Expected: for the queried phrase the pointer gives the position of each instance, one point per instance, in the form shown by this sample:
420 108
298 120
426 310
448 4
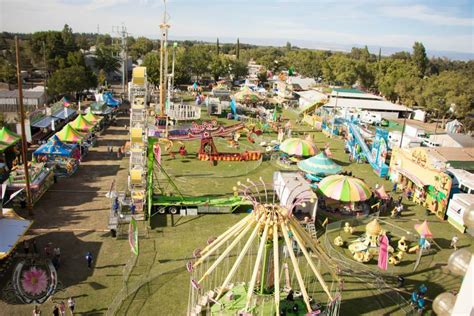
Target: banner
133 236
383 253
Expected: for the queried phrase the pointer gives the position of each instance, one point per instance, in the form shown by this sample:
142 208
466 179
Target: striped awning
417 181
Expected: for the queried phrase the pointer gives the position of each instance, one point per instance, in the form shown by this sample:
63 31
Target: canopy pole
24 144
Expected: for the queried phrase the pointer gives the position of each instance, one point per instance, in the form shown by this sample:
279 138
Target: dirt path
79 202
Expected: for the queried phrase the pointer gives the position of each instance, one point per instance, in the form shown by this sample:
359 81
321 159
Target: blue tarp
110 100
55 147
44 122
62 115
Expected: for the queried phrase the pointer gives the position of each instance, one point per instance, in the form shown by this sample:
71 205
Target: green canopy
7 139
319 165
81 124
70 135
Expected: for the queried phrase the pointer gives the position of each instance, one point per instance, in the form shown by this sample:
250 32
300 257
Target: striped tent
319 165
298 147
344 188
70 135
81 124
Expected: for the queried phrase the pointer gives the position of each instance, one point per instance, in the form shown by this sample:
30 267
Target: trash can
113 233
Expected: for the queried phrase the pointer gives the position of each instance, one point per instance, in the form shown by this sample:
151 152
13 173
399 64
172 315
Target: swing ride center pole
24 145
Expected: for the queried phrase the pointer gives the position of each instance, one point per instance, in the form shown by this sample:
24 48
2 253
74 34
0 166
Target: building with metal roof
386 109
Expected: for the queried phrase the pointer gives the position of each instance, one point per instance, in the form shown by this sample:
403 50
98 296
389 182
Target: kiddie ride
208 152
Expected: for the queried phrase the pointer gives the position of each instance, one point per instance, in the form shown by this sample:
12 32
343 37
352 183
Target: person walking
132 209
36 311
62 308
454 242
35 247
72 304
89 259
56 310
26 246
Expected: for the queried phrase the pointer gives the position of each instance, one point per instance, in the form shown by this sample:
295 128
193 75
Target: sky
440 25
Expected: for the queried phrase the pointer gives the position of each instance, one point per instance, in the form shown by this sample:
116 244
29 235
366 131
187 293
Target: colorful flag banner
133 236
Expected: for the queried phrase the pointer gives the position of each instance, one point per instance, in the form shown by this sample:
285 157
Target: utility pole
164 26
122 33
45 68
334 116
24 145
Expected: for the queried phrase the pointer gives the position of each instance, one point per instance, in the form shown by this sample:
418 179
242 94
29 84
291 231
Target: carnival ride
266 264
358 148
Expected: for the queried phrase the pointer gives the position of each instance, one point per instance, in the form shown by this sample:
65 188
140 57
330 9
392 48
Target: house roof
304 83
354 94
312 95
27 94
463 176
449 154
370 105
462 139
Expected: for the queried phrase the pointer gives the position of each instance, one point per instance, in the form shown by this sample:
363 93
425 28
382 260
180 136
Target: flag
383 253
133 235
66 103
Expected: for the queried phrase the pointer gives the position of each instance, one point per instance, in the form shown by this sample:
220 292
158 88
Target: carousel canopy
247 96
82 124
344 188
69 135
8 137
319 165
92 118
423 229
298 147
55 146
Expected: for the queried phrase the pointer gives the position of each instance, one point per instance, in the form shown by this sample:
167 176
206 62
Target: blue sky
440 25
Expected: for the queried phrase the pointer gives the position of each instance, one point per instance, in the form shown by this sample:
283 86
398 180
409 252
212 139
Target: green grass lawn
164 250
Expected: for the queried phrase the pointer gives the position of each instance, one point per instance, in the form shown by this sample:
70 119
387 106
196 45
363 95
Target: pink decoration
195 284
197 253
34 281
189 266
383 253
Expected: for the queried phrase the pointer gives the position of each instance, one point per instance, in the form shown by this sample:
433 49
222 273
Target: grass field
159 274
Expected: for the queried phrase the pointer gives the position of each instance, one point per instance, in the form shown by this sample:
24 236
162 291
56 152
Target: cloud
424 14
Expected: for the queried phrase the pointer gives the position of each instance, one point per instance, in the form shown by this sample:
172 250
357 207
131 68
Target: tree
419 58
288 46
152 63
390 73
68 38
106 60
71 80
140 47
401 55
219 66
239 69
101 77
217 46
199 56
7 72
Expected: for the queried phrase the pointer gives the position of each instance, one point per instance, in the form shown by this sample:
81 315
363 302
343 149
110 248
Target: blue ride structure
359 150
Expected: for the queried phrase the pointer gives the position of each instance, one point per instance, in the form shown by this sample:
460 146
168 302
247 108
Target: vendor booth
416 173
62 158
71 136
41 178
8 151
82 125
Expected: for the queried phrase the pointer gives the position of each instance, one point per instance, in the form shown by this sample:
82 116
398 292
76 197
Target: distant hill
331 46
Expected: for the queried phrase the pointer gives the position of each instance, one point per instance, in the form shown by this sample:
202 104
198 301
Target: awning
417 181
64 113
12 228
44 122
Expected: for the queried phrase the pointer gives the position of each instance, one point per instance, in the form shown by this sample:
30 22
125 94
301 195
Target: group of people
120 151
58 309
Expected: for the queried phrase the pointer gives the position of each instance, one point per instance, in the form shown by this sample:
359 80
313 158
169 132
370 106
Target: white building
372 103
459 204
291 186
33 99
254 70
304 83
310 97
